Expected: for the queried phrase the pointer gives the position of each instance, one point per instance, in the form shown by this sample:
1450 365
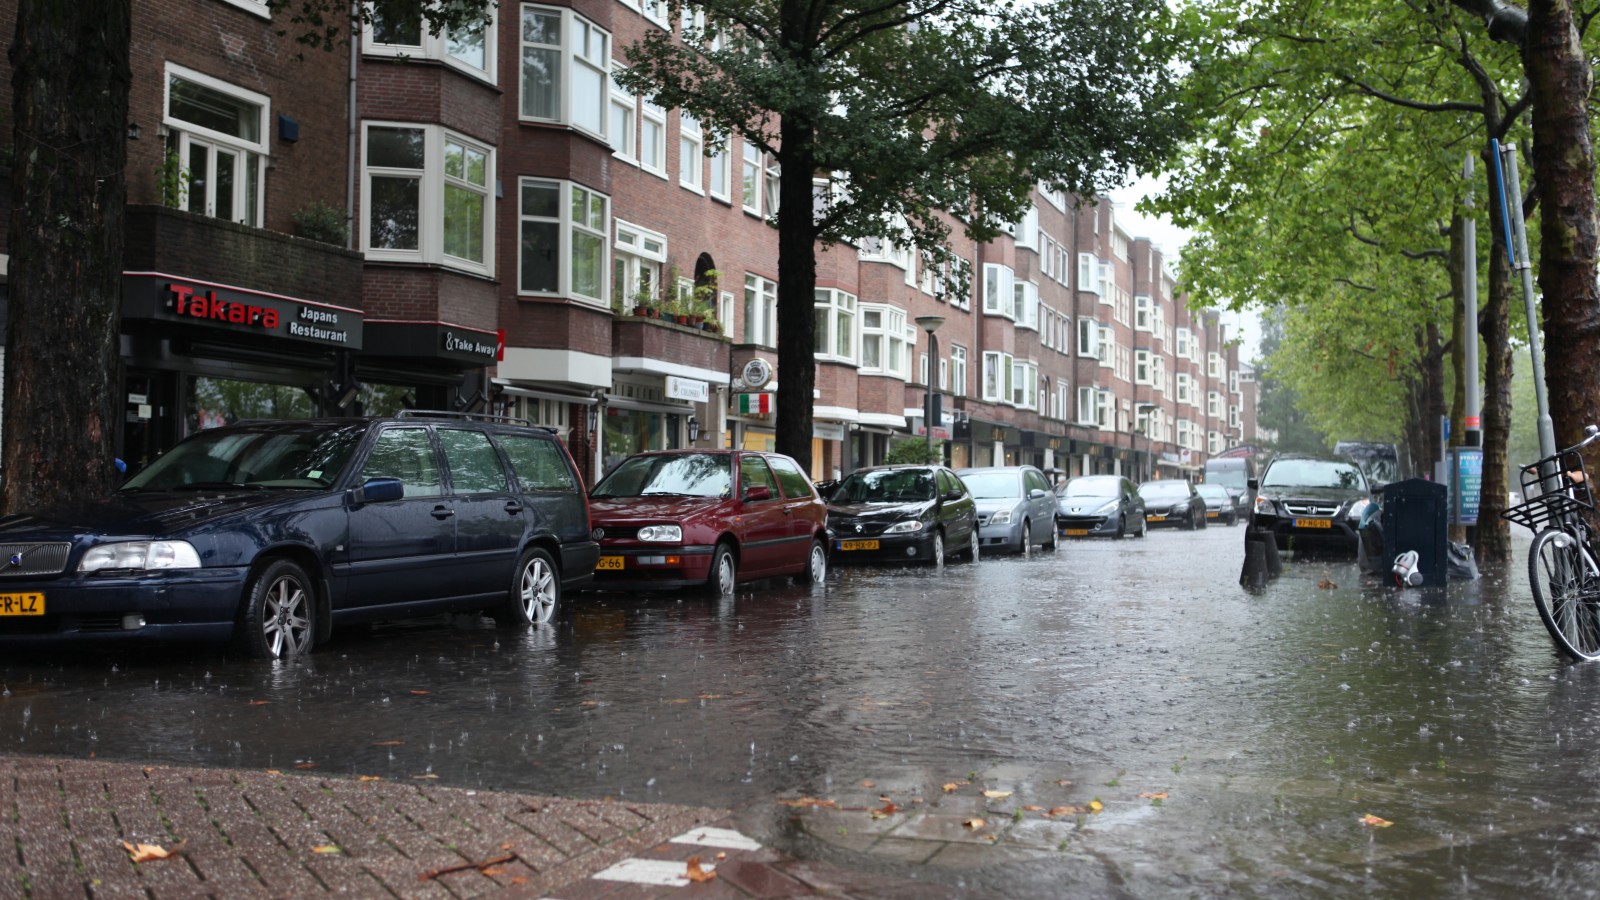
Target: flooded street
1259 728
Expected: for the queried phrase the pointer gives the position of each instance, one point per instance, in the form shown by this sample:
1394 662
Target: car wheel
972 546
535 591
724 572
816 565
1051 543
278 620
937 550
1144 526
1188 521
1027 540
1122 526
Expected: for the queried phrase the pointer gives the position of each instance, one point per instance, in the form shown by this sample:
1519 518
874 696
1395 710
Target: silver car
1016 509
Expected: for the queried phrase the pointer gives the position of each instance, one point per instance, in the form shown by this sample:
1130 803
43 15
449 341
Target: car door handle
513 507
443 512
788 512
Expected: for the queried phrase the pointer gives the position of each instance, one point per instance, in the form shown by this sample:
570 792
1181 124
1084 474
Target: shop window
566 61
216 145
474 465
426 198
214 402
468 49
563 242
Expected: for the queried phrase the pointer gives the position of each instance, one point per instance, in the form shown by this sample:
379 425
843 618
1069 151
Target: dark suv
273 532
1311 503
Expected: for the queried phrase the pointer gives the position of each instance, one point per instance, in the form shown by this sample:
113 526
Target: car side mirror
1036 494
759 492
951 496
1254 484
380 490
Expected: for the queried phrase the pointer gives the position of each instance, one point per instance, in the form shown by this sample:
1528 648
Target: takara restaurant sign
150 295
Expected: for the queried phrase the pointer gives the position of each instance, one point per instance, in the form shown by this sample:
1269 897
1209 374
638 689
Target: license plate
21 604
1076 532
858 545
1212 515
1156 518
613 563
1313 523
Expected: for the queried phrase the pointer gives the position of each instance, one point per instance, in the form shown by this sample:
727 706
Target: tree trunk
1563 168
1494 534
797 282
62 368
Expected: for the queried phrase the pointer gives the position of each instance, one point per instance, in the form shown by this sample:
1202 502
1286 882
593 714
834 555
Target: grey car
1016 509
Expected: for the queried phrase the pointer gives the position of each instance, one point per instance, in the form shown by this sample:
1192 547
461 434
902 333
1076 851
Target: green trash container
1416 516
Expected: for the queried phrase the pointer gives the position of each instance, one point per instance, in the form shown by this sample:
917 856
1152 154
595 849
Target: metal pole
1469 298
927 401
1519 260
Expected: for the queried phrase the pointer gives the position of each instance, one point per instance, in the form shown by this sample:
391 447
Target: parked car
1233 474
1093 505
1219 503
1015 507
902 514
1311 503
1173 501
274 532
708 518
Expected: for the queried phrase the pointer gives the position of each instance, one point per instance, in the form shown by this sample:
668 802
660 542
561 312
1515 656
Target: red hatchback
710 518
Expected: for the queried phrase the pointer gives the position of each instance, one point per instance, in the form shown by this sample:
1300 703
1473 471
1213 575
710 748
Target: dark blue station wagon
270 533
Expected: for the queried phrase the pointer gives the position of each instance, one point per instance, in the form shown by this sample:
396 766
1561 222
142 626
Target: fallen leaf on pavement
519 879
146 852
274 772
1153 795
1032 807
1095 806
697 874
326 848
869 784
305 765
388 743
492 871
997 795
428 775
953 786
974 824
370 778
888 810
1067 811
259 702
1374 821
1326 584
506 846
809 802
419 692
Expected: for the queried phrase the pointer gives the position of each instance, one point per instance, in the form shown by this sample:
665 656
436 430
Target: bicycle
1562 564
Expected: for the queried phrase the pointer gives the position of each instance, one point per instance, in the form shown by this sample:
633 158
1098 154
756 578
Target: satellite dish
756 373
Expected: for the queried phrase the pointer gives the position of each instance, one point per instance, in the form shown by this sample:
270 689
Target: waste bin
1416 516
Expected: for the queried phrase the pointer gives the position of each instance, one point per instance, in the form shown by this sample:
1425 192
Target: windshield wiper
218 486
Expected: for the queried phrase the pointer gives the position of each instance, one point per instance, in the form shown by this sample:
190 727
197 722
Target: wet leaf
888 810
274 772
697 874
1067 811
1153 795
429 775
370 778
869 784
146 852
492 871
1062 782
1373 821
1095 806
305 765
974 824
419 692
997 795
388 743
519 879
953 786
259 702
505 846
809 802
327 848
1033 807
1327 584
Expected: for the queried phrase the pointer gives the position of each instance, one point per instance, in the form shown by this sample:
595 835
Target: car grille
618 532
33 559
847 529
1310 508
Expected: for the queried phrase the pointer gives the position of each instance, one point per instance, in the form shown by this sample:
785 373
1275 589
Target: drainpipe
350 173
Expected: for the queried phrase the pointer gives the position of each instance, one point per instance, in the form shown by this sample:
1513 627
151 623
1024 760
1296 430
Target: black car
271 533
902 514
1094 505
1311 503
1173 501
1220 505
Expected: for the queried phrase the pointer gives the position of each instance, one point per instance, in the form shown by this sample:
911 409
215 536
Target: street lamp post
1141 410
930 401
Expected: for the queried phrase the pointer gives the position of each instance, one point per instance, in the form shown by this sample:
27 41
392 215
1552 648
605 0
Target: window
958 370
1088 406
1063 398
470 50
563 246
999 290
836 325
259 7
218 133
721 171
474 465
1088 337
691 153
1105 345
624 128
426 197
795 483
566 60
636 264
1214 404
1214 366
1141 312
1025 385
1185 394
886 341
1233 382
1025 304
750 179
997 376
1108 410
537 464
1088 273
753 473
944 374
1027 230
1141 367
653 138
406 454
773 189
760 311
953 282
1182 350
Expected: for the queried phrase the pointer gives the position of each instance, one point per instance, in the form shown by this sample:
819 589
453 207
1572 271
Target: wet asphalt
1234 741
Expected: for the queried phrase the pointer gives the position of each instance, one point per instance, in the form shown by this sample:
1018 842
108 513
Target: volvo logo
16 559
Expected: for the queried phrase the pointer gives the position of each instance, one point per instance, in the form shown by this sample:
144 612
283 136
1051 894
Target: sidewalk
251 833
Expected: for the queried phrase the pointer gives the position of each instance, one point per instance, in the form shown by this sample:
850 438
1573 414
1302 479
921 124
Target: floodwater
1260 727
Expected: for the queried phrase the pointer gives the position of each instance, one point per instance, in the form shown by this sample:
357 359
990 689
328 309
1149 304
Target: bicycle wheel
1568 600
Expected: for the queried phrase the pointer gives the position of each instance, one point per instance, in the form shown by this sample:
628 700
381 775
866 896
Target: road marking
656 872
725 838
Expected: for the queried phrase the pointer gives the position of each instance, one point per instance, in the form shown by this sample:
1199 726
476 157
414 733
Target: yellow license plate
1313 523
1212 515
858 545
1076 532
613 563
1156 518
21 604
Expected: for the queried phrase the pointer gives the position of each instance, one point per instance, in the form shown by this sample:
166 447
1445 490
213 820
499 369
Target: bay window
750 178
999 290
566 64
886 341
426 197
1025 304
624 125
1088 406
997 376
563 240
760 311
217 134
470 50
1025 385
836 325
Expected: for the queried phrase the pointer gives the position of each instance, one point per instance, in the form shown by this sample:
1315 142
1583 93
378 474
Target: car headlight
661 533
1264 505
149 555
1110 507
1003 517
910 526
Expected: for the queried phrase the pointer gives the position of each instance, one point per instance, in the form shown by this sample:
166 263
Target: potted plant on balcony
703 302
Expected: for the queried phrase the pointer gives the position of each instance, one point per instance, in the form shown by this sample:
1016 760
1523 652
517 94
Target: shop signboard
827 431
1467 485
688 389
164 298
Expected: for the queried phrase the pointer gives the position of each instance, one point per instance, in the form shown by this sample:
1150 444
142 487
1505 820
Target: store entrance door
148 427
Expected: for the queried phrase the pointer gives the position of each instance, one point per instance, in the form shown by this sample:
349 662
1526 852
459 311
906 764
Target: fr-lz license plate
21 604
858 545
609 562
1313 523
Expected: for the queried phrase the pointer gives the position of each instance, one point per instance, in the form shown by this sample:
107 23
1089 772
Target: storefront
425 365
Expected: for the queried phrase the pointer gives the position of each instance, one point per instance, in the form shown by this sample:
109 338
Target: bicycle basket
1552 496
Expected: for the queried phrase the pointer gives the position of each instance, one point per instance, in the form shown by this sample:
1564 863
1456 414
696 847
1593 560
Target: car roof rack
465 416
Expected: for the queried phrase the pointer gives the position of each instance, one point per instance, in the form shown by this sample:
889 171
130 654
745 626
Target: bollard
1274 559
1254 573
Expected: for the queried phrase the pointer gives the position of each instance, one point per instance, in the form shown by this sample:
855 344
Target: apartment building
522 229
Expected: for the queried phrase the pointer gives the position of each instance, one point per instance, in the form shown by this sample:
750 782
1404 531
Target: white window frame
1214 404
838 316
652 125
1088 338
1108 410
1141 312
636 251
1214 365
566 229
254 7
431 198
1024 385
594 55
691 153
895 336
252 154
1107 345
1182 344
997 376
1025 304
624 146
771 173
999 291
760 311
750 179
719 184
437 47
958 370
1089 273
1088 411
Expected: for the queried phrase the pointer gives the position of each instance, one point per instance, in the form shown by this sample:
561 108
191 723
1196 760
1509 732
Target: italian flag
755 403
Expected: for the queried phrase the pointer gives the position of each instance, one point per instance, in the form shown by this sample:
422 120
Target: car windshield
291 455
1313 473
1091 487
1164 490
675 474
885 486
993 485
1228 478
1213 492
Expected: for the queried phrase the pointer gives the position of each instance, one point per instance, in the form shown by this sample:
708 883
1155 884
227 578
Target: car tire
279 614
1050 545
936 550
1026 550
724 574
1122 526
816 565
1188 521
972 551
535 591
1144 527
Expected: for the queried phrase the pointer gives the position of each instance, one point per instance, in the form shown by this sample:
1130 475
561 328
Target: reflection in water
1274 721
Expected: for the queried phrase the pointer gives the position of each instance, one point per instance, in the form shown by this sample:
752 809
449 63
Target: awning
553 396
